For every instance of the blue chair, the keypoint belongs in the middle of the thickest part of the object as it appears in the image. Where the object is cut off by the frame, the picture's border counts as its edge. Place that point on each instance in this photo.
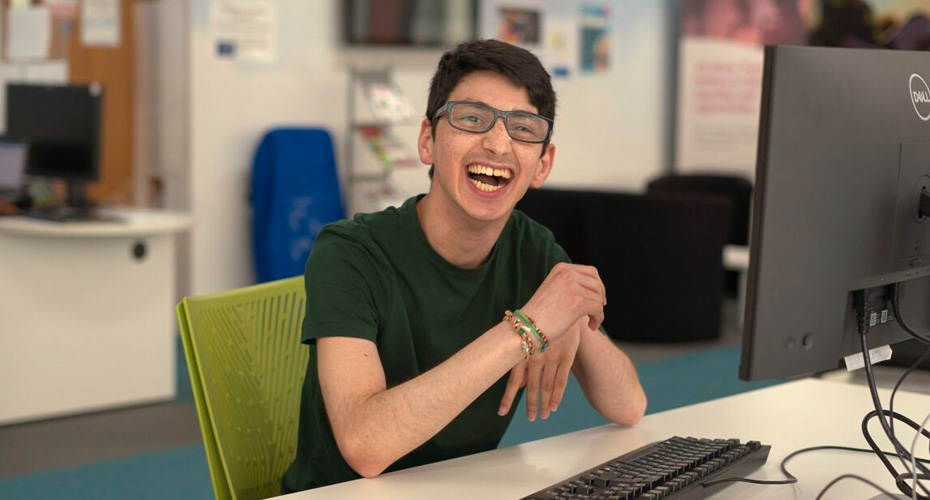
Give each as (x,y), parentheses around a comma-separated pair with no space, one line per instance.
(295,192)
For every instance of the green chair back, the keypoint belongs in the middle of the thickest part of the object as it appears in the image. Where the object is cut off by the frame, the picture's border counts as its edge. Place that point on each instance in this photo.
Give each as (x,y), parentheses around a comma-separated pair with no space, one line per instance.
(247,364)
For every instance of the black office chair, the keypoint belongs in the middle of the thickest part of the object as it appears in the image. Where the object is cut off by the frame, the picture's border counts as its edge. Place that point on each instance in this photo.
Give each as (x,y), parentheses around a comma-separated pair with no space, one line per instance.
(737,190)
(563,212)
(660,257)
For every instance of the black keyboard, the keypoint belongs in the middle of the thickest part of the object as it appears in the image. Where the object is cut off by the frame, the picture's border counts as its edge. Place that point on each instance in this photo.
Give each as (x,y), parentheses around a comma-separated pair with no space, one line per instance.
(674,468)
(70,214)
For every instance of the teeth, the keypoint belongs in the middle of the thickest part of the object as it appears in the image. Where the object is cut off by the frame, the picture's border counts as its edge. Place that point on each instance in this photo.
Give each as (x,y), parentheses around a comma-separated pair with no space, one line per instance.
(485,170)
(485,187)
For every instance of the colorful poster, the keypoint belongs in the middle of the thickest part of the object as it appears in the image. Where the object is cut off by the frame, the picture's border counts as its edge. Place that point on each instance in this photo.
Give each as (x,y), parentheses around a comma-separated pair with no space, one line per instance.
(720,78)
(721,55)
(594,38)
(518,26)
(561,54)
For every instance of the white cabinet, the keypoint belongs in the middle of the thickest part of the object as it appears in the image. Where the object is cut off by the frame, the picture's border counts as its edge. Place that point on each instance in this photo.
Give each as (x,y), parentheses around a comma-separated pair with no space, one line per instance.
(87,316)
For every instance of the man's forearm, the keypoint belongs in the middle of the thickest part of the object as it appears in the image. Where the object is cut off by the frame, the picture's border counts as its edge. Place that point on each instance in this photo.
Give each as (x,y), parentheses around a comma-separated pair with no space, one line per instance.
(376,431)
(608,378)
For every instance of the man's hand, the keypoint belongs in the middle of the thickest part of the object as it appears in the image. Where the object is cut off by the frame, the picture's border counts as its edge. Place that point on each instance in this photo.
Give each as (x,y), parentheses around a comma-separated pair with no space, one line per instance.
(569,293)
(545,377)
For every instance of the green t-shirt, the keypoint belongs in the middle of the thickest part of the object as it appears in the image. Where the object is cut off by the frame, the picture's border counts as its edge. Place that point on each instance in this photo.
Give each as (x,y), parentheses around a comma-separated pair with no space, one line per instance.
(376,277)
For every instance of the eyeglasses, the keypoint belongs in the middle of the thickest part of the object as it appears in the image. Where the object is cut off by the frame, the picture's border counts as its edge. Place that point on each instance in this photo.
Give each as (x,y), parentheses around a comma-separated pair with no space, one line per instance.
(479,118)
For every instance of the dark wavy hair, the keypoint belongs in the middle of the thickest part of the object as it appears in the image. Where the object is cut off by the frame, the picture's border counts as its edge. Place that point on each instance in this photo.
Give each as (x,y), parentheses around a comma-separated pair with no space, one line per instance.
(519,65)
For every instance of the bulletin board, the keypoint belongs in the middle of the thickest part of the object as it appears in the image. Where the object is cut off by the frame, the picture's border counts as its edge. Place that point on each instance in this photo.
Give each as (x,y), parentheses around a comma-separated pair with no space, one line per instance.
(102,52)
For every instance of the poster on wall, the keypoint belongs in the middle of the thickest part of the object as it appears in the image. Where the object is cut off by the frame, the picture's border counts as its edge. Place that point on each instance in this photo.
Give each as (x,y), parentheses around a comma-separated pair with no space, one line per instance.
(721,55)
(594,38)
(245,30)
(561,47)
(519,26)
(548,29)
(720,78)
(100,23)
(29,35)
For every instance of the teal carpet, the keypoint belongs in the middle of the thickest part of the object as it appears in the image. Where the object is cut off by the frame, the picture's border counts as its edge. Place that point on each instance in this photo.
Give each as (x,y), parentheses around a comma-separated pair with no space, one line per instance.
(669,383)
(182,473)
(175,474)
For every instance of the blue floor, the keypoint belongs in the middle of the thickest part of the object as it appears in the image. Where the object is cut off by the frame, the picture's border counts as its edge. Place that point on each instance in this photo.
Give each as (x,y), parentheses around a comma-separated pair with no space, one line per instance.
(669,383)
(176,474)
(182,473)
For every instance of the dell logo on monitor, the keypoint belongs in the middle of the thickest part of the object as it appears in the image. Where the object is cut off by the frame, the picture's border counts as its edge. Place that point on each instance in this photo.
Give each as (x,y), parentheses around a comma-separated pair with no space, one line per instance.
(920,96)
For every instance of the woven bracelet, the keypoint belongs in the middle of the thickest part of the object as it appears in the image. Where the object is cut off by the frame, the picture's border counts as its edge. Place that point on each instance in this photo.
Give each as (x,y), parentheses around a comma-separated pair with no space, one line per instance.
(527,321)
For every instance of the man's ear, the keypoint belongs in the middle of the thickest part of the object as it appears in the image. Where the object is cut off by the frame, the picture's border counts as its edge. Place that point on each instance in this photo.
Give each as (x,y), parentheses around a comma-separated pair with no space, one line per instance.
(425,142)
(545,166)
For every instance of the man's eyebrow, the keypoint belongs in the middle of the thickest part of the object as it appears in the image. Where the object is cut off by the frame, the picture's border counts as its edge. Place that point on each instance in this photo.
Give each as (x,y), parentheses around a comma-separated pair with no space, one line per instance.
(474,101)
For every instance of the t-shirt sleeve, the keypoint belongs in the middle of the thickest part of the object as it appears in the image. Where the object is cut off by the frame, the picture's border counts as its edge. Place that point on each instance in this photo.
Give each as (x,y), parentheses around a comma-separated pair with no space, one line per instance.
(557,254)
(554,252)
(340,281)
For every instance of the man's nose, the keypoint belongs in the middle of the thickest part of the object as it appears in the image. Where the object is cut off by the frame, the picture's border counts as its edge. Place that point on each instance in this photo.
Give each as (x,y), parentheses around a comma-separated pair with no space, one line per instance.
(497,140)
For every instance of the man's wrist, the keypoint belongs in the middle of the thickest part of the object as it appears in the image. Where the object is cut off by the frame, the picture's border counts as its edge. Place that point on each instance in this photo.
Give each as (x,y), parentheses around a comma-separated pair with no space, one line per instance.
(514,340)
(524,322)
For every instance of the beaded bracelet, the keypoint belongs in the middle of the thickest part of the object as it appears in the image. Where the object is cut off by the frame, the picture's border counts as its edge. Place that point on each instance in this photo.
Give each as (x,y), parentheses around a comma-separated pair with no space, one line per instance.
(527,345)
(528,321)
(529,348)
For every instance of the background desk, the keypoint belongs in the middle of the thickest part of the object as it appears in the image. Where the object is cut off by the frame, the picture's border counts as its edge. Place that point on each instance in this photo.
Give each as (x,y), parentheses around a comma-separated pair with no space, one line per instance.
(788,416)
(85,324)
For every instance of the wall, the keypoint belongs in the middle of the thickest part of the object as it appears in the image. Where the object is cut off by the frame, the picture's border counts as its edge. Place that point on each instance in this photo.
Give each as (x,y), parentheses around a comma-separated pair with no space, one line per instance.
(611,130)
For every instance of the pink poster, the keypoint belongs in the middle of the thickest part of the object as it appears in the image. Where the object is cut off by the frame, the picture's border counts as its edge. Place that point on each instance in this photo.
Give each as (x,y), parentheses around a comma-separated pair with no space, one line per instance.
(721,55)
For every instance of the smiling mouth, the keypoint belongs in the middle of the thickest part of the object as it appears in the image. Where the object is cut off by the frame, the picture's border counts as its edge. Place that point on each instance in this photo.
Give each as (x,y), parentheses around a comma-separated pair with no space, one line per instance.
(489,179)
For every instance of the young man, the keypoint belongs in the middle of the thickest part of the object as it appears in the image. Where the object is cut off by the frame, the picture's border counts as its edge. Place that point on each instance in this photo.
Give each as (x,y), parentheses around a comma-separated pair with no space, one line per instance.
(406,307)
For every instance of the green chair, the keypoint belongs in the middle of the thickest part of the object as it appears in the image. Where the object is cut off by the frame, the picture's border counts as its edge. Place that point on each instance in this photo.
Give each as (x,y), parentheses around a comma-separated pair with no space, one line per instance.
(247,365)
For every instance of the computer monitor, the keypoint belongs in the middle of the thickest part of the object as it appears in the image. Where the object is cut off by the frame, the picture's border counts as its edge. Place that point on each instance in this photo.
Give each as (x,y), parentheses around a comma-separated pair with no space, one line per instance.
(61,125)
(843,156)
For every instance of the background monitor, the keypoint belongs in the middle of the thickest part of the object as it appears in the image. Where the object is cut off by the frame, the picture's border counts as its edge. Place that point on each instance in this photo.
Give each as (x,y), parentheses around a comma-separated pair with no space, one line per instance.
(409,22)
(61,125)
(844,152)
(12,166)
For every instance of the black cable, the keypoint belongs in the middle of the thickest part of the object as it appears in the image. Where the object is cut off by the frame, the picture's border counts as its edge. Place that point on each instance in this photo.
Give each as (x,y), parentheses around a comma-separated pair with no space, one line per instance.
(853,476)
(896,293)
(901,380)
(902,453)
(898,476)
(793,479)
(863,328)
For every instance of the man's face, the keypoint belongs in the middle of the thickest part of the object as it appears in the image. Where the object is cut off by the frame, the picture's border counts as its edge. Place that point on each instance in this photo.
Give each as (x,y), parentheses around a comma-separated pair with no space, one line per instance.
(463,160)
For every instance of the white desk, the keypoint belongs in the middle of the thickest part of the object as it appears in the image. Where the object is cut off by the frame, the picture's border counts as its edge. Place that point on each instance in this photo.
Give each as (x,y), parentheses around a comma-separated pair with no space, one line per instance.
(788,417)
(85,324)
